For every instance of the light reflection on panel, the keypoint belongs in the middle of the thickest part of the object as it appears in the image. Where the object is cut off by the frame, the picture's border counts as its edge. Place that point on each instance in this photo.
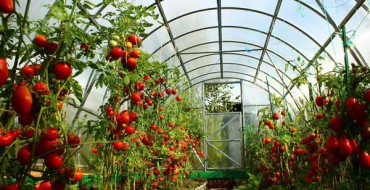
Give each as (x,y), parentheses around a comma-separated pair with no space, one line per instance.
(260,5)
(157,39)
(271,71)
(165,52)
(193,22)
(203,70)
(239,68)
(202,61)
(210,76)
(211,47)
(235,34)
(240,59)
(239,76)
(37,10)
(245,18)
(174,8)
(308,20)
(295,38)
(272,82)
(197,38)
(335,48)
(283,50)
(249,89)
(338,9)
(95,98)
(193,57)
(174,61)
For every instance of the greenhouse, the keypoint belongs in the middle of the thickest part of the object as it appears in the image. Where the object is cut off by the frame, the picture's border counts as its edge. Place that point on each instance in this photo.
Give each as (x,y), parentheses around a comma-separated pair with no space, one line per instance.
(195,94)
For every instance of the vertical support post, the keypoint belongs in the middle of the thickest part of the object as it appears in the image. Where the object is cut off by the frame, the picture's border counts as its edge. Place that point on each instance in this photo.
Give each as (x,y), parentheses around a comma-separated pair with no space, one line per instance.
(204,128)
(243,143)
(268,90)
(346,59)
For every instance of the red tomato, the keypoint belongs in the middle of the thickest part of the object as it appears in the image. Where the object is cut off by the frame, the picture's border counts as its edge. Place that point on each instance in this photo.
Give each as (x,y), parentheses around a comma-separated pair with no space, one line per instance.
(364,160)
(146,77)
(135,97)
(75,175)
(320,101)
(15,185)
(57,185)
(336,124)
(345,147)
(276,116)
(53,161)
(73,140)
(319,116)
(24,155)
(51,47)
(332,145)
(365,133)
(27,71)
(134,39)
(6,6)
(135,53)
(117,52)
(154,127)
(41,88)
(131,63)
(130,129)
(21,100)
(4,72)
(178,98)
(118,145)
(351,103)
(62,70)
(6,139)
(51,133)
(355,148)
(267,140)
(46,185)
(140,86)
(40,40)
(174,91)
(367,95)
(133,116)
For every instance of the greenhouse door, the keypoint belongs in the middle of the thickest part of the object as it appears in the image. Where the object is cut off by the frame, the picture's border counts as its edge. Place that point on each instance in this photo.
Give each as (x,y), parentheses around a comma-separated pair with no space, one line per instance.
(223,144)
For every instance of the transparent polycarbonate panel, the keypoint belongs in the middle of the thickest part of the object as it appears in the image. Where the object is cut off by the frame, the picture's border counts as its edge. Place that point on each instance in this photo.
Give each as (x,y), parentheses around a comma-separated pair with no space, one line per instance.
(223,126)
(193,22)
(208,35)
(274,83)
(142,2)
(335,49)
(243,35)
(165,52)
(208,47)
(175,8)
(174,61)
(261,99)
(203,70)
(242,48)
(224,80)
(187,58)
(238,76)
(245,19)
(239,68)
(156,40)
(308,21)
(295,38)
(260,5)
(36,10)
(206,77)
(283,50)
(95,98)
(207,60)
(271,71)
(301,6)
(327,64)
(281,64)
(70,112)
(195,92)
(240,58)
(338,9)
(217,160)
(84,77)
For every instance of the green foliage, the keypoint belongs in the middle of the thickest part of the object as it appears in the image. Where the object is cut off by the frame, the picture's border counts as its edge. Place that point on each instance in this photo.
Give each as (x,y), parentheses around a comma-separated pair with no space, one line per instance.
(218,98)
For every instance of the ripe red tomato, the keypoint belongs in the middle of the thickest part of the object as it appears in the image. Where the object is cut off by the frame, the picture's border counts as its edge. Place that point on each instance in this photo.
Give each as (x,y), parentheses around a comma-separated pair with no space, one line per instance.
(178,98)
(57,185)
(364,160)
(117,52)
(62,70)
(351,103)
(154,127)
(345,147)
(174,91)
(84,46)
(131,63)
(367,95)
(146,77)
(51,133)
(332,145)
(40,40)
(75,175)
(6,139)
(28,133)
(355,148)
(53,161)
(24,155)
(155,184)
(27,72)
(336,124)
(365,133)
(41,88)
(276,116)
(134,39)
(319,116)
(4,72)
(46,185)
(130,129)
(135,53)
(6,6)
(133,116)
(15,185)
(135,97)
(51,47)
(267,140)
(118,145)
(320,101)
(21,100)
(140,86)
(73,140)
(282,112)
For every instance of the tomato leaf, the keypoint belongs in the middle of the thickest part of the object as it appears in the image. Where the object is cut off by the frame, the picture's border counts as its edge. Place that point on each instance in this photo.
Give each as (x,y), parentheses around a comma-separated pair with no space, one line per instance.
(77,90)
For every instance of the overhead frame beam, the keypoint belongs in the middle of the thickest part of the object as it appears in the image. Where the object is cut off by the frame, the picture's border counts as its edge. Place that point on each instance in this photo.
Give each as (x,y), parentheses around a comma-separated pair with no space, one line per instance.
(330,39)
(269,34)
(353,50)
(172,39)
(219,20)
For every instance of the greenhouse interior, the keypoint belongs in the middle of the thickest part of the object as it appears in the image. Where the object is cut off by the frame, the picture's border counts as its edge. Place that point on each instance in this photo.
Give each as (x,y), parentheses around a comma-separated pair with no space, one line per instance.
(176,95)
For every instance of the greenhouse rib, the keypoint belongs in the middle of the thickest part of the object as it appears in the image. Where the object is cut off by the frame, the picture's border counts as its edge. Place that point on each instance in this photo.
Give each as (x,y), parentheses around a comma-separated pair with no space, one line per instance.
(330,39)
(171,37)
(277,9)
(219,20)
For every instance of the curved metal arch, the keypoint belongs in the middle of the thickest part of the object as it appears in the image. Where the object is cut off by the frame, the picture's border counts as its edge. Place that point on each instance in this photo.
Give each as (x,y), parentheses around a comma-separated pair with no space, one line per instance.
(238,27)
